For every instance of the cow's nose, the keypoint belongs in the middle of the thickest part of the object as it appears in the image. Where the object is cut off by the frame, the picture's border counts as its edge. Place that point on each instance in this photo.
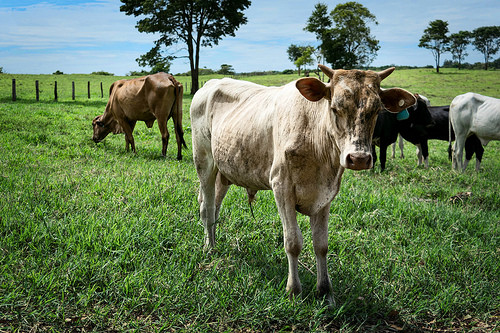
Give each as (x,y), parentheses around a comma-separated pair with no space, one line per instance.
(359,161)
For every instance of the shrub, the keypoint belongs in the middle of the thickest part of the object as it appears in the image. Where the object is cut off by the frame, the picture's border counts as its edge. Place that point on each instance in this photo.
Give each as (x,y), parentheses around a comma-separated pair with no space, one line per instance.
(102,73)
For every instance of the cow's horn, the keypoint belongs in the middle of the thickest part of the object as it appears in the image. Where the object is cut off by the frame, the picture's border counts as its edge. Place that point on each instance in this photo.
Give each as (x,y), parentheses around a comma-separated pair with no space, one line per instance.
(385,73)
(328,71)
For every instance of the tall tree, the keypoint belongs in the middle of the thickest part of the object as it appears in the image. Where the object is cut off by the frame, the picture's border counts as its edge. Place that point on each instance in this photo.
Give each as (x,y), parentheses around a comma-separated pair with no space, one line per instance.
(195,23)
(344,34)
(435,38)
(458,45)
(300,55)
(487,41)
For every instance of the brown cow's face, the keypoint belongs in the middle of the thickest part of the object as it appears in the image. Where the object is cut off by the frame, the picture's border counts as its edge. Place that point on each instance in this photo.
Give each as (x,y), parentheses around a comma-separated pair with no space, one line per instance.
(355,101)
(101,130)
(355,105)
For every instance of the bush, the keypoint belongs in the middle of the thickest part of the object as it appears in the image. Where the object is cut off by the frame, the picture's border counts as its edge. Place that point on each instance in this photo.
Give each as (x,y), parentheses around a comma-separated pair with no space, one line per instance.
(287,71)
(138,73)
(58,72)
(102,73)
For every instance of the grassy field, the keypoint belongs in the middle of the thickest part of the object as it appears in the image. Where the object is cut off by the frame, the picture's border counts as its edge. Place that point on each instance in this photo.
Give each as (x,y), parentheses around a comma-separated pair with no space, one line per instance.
(96,239)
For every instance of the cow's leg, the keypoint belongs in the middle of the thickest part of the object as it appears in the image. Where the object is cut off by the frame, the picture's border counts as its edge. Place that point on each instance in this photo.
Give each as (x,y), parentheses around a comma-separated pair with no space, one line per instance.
(162,125)
(319,228)
(221,188)
(394,150)
(207,173)
(179,134)
(401,146)
(425,152)
(479,154)
(419,154)
(458,152)
(383,156)
(466,162)
(292,236)
(128,127)
(374,154)
(127,141)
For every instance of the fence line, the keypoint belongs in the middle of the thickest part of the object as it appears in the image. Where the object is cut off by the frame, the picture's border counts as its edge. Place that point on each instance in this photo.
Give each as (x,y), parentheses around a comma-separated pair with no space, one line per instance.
(186,85)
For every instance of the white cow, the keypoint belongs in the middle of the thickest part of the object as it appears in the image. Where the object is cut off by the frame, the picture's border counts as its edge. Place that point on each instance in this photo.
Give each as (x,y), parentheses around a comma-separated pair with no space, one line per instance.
(295,140)
(472,113)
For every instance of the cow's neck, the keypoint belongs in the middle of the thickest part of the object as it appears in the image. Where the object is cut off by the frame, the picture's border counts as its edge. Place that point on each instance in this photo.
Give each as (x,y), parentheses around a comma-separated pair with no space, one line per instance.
(323,142)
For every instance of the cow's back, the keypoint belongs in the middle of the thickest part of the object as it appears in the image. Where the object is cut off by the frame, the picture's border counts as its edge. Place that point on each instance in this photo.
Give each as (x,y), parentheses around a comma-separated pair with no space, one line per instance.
(235,118)
(478,114)
(249,127)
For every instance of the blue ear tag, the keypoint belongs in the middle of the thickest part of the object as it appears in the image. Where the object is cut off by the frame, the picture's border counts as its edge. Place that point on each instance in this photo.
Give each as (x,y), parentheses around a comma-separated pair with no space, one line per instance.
(403,115)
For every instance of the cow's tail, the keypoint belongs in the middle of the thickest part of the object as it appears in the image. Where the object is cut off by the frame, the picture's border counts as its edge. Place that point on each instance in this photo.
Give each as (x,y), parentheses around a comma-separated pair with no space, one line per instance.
(450,134)
(179,92)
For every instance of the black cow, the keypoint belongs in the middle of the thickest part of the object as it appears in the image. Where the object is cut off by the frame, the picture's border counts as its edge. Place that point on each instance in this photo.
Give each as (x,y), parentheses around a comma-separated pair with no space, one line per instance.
(388,126)
(439,129)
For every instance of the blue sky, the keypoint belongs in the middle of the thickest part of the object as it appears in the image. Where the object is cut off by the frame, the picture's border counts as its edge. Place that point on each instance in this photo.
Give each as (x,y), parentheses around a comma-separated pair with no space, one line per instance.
(83,36)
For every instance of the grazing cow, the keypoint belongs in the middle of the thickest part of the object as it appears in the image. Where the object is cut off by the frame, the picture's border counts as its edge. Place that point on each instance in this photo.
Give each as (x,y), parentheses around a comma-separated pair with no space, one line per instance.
(295,140)
(389,125)
(473,113)
(149,98)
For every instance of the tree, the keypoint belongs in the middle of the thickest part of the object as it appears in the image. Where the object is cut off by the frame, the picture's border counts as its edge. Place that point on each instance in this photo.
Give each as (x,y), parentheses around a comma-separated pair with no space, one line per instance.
(458,45)
(194,23)
(226,69)
(435,39)
(300,55)
(306,58)
(487,41)
(155,59)
(344,34)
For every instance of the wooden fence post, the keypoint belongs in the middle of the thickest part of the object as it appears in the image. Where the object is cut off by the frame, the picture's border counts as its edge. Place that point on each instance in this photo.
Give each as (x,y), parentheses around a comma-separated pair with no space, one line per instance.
(55,91)
(88,90)
(102,94)
(73,90)
(14,96)
(37,91)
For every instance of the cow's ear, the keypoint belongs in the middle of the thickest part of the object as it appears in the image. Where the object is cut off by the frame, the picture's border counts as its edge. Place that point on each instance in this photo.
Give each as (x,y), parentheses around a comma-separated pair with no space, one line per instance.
(396,99)
(313,89)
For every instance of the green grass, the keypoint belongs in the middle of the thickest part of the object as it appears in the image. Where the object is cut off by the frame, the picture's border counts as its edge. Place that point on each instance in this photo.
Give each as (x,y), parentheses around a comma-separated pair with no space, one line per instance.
(96,239)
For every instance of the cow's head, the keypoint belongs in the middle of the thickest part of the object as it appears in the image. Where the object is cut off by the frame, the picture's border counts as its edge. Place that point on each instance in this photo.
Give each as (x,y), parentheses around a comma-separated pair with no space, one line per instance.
(102,128)
(355,99)
(420,114)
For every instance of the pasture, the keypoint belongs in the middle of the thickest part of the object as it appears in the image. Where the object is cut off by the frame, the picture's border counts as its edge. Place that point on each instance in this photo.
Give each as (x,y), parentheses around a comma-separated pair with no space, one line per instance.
(96,239)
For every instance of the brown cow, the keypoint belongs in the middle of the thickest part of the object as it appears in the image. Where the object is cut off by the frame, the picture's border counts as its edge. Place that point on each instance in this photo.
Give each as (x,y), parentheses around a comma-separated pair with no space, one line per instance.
(149,98)
(295,140)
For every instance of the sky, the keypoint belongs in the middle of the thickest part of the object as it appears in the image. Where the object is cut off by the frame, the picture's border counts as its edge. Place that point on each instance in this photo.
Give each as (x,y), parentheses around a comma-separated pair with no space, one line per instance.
(84,36)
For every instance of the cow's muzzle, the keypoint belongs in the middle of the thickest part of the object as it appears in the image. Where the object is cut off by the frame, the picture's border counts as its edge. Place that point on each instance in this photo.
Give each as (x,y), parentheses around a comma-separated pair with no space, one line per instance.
(359,161)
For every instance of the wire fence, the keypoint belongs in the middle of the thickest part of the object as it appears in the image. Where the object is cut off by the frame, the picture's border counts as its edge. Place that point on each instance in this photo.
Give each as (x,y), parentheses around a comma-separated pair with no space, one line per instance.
(60,90)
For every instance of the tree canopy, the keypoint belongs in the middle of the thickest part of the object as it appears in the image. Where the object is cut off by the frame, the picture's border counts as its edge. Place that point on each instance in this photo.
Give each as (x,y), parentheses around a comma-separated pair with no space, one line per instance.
(487,41)
(346,40)
(300,55)
(435,38)
(458,45)
(194,23)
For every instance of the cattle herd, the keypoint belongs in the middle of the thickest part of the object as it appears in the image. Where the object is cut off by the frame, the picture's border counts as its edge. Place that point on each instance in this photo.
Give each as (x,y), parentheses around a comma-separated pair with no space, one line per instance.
(296,140)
